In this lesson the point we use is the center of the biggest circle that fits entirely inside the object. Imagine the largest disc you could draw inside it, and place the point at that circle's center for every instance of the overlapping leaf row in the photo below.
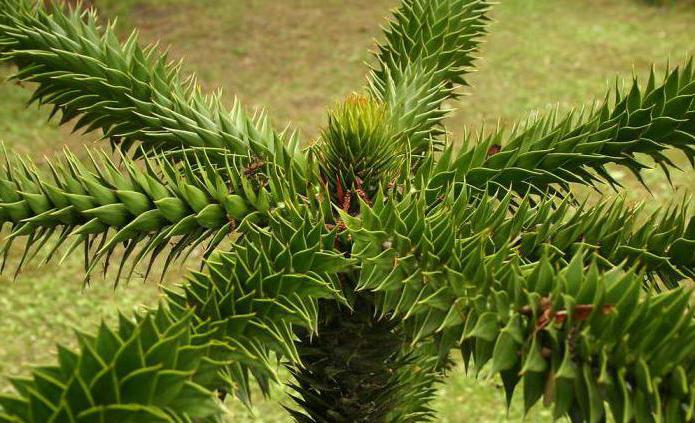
(110, 205)
(576, 336)
(254, 296)
(579, 338)
(223, 326)
(410, 231)
(406, 249)
(556, 152)
(156, 368)
(661, 245)
(406, 255)
(429, 48)
(132, 94)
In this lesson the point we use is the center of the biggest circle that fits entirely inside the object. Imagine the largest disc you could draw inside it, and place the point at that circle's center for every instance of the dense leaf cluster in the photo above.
(363, 262)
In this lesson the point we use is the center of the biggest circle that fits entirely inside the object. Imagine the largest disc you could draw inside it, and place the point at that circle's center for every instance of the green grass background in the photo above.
(296, 57)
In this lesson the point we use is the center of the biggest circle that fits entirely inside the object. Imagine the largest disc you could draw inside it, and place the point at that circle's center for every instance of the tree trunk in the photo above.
(361, 369)
(349, 368)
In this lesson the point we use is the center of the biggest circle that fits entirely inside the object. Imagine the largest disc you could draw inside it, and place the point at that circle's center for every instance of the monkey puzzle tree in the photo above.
(362, 262)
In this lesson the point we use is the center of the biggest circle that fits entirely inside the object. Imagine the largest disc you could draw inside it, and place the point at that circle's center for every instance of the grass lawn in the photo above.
(295, 57)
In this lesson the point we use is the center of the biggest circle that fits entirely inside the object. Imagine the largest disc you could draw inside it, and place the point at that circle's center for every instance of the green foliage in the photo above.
(360, 130)
(407, 247)
(552, 152)
(168, 205)
(659, 245)
(256, 295)
(566, 331)
(364, 261)
(430, 47)
(134, 95)
(236, 317)
(152, 369)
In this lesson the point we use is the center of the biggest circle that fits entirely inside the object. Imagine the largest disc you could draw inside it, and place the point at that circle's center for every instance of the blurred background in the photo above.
(295, 58)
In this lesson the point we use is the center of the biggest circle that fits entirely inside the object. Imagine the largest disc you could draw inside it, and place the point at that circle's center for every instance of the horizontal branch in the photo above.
(554, 152)
(425, 229)
(167, 205)
(660, 244)
(135, 96)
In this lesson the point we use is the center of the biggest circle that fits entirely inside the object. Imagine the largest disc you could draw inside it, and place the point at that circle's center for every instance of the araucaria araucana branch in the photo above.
(362, 262)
